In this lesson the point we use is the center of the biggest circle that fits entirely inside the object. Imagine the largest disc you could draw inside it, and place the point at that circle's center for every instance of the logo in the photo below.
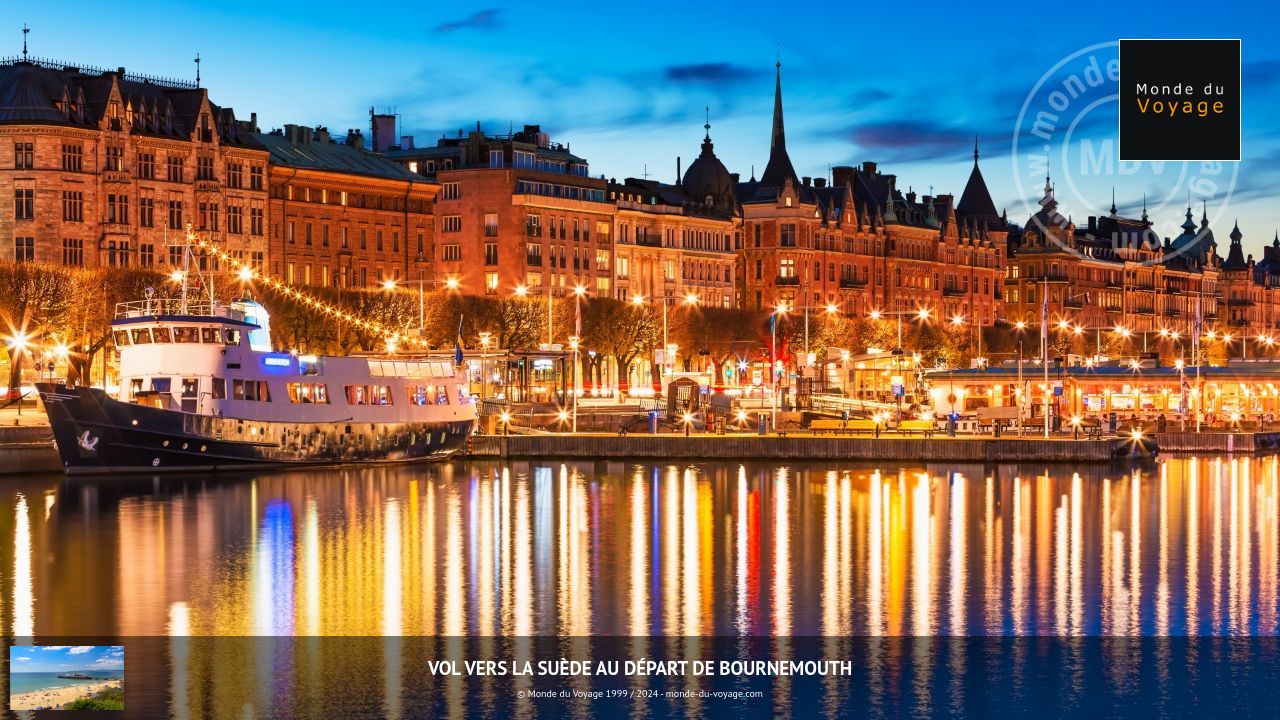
(87, 442)
(1180, 100)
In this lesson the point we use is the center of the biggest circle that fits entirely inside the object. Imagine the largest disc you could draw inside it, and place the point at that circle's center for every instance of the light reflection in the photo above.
(1186, 545)
(23, 599)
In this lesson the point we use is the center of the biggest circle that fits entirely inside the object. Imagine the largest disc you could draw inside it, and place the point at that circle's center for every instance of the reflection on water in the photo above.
(662, 556)
(1187, 546)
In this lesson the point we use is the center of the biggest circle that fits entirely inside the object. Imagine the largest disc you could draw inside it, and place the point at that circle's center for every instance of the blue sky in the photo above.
(905, 85)
(56, 658)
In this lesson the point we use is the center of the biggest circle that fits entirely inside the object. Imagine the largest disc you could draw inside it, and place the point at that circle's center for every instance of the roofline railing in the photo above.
(52, 64)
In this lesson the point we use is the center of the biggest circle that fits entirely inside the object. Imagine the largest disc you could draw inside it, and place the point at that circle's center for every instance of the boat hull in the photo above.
(98, 434)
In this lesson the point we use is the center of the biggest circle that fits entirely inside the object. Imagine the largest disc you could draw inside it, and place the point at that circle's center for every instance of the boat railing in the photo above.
(174, 306)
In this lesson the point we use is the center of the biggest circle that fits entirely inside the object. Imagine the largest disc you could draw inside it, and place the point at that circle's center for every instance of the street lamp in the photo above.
(573, 343)
(485, 337)
(773, 360)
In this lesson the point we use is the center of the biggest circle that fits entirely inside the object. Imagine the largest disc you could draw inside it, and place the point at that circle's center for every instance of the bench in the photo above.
(924, 427)
(842, 426)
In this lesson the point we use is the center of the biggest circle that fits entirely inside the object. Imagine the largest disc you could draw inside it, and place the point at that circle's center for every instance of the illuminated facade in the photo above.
(341, 216)
(859, 243)
(108, 167)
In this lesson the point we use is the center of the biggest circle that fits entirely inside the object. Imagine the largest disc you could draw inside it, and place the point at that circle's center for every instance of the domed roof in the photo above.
(708, 177)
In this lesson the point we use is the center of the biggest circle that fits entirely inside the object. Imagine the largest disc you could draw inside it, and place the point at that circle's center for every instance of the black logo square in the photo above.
(1180, 100)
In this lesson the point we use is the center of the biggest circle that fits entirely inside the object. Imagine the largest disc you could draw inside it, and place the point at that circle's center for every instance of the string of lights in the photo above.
(247, 273)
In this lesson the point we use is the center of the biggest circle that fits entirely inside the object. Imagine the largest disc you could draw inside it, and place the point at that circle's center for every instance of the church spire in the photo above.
(975, 201)
(779, 168)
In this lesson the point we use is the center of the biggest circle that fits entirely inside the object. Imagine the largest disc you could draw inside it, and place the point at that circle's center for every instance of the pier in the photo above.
(801, 447)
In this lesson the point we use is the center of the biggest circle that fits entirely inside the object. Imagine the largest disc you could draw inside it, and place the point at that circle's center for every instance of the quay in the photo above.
(797, 446)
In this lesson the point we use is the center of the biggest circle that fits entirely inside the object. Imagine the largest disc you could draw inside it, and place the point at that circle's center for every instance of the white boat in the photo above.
(201, 388)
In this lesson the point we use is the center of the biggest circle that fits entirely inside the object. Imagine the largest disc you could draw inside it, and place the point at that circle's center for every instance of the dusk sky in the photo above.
(57, 658)
(625, 85)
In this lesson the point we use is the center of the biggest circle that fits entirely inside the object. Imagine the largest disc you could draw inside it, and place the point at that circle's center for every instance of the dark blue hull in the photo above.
(98, 434)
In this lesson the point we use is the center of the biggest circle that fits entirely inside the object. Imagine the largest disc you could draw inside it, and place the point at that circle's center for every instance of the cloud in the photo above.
(24, 659)
(107, 662)
(716, 73)
(54, 647)
(869, 96)
(80, 649)
(1260, 73)
(490, 19)
(905, 140)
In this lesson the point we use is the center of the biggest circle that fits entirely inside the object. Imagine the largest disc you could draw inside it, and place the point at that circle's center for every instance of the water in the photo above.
(1047, 579)
(24, 682)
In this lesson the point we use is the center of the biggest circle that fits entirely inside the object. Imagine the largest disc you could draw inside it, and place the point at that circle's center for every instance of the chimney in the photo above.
(735, 177)
(819, 182)
(291, 132)
(321, 134)
(384, 131)
(911, 195)
(868, 167)
(355, 138)
(806, 180)
(406, 142)
(120, 71)
(841, 175)
(253, 121)
(1093, 225)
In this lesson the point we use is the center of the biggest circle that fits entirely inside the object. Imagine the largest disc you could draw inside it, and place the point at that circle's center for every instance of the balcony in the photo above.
(208, 186)
(116, 176)
(533, 230)
(534, 261)
(649, 241)
(851, 283)
(788, 280)
(953, 292)
(1239, 302)
(1172, 312)
(1144, 311)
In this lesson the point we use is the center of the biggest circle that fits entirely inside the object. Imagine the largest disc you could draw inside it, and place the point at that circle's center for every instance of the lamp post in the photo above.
(638, 300)
(573, 343)
(773, 360)
(578, 292)
(485, 337)
(921, 314)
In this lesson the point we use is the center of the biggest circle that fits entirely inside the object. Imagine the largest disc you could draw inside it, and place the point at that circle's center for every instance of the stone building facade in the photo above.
(108, 168)
(342, 216)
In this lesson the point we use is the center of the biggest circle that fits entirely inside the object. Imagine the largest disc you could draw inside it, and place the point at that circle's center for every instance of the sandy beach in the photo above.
(59, 697)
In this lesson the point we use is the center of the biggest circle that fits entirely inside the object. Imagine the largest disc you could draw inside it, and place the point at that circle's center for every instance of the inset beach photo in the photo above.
(66, 677)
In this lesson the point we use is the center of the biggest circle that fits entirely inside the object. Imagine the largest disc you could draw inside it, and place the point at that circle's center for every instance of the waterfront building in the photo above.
(861, 244)
(342, 216)
(1116, 275)
(107, 167)
(679, 243)
(517, 214)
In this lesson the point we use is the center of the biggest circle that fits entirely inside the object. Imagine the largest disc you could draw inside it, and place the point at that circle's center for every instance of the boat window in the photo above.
(210, 335)
(122, 338)
(141, 336)
(418, 394)
(308, 393)
(135, 387)
(442, 395)
(463, 398)
(308, 365)
(162, 334)
(161, 384)
(219, 389)
(253, 390)
(231, 336)
(190, 387)
(186, 334)
(368, 395)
